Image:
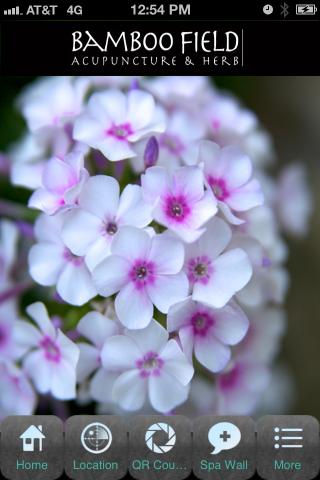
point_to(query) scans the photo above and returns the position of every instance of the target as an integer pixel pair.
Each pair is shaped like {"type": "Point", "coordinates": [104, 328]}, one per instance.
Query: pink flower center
{"type": "Point", "coordinates": [51, 350]}
{"type": "Point", "coordinates": [201, 322]}
{"type": "Point", "coordinates": [200, 269]}
{"type": "Point", "coordinates": [177, 208]}
{"type": "Point", "coordinates": [69, 257]}
{"type": "Point", "coordinates": [111, 228]}
{"type": "Point", "coordinates": [121, 132]}
{"type": "Point", "coordinates": [229, 380]}
{"type": "Point", "coordinates": [219, 188]}
{"type": "Point", "coordinates": [142, 273]}
{"type": "Point", "coordinates": [150, 364]}
{"type": "Point", "coordinates": [172, 143]}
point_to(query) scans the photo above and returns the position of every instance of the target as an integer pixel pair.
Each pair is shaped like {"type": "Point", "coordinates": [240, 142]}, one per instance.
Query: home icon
{"type": "Point", "coordinates": [32, 437]}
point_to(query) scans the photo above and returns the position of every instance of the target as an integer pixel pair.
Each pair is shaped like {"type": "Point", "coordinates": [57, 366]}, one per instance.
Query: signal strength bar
{"type": "Point", "coordinates": [12, 11]}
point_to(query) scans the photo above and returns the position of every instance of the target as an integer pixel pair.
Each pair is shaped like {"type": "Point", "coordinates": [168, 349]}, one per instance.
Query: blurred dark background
{"type": "Point", "coordinates": [289, 108]}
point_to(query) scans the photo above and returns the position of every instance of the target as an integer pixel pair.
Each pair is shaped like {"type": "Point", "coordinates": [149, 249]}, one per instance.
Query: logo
{"type": "Point", "coordinates": [96, 438]}
{"type": "Point", "coordinates": [224, 436]}
{"type": "Point", "coordinates": [164, 428]}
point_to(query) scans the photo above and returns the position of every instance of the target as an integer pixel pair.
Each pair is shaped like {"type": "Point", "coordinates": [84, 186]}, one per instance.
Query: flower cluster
{"type": "Point", "coordinates": [159, 239]}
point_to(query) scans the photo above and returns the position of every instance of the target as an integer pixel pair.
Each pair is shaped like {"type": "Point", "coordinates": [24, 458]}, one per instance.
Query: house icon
{"type": "Point", "coordinates": [31, 437]}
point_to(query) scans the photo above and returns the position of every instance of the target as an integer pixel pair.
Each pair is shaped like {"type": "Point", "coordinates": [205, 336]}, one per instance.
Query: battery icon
{"type": "Point", "coordinates": [306, 9]}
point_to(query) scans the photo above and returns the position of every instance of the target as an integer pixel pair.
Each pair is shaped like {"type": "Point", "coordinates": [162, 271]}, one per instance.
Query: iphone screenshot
{"type": "Point", "coordinates": [159, 240]}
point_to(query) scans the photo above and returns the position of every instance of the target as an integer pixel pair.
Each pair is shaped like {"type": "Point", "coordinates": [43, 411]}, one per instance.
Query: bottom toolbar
{"type": "Point", "coordinates": [164, 447]}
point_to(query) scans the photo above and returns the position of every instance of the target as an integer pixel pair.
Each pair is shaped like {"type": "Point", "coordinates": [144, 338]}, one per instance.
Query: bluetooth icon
{"type": "Point", "coordinates": [284, 9]}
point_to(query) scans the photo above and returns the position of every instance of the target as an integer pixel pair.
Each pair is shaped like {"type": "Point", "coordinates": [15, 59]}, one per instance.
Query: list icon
{"type": "Point", "coordinates": [288, 447]}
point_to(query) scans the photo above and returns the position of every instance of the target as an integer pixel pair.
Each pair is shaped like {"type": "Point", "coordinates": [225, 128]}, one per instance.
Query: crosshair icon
{"type": "Point", "coordinates": [96, 438]}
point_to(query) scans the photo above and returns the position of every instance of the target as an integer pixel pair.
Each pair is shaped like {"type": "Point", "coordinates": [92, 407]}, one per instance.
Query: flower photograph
{"type": "Point", "coordinates": [159, 245]}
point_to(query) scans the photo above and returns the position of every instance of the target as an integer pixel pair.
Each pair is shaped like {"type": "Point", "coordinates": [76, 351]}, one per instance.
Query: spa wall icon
{"type": "Point", "coordinates": [32, 439]}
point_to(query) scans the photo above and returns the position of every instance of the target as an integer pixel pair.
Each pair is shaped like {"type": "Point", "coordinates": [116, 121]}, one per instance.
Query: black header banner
{"type": "Point", "coordinates": [147, 42]}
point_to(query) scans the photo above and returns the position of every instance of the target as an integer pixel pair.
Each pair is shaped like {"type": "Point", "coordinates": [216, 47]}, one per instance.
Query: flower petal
{"type": "Point", "coordinates": [130, 390]}
{"type": "Point", "coordinates": [46, 263]}
{"type": "Point", "coordinates": [189, 182]}
{"type": "Point", "coordinates": [100, 196]}
{"type": "Point", "coordinates": [39, 314]}
{"type": "Point", "coordinates": [102, 384]}
{"type": "Point", "coordinates": [75, 284]}
{"type": "Point", "coordinates": [152, 338]}
{"type": "Point", "coordinates": [176, 363]}
{"type": "Point", "coordinates": [211, 353]}
{"type": "Point", "coordinates": [231, 325]}
{"type": "Point", "coordinates": [180, 313]}
{"type": "Point", "coordinates": [88, 361]}
{"type": "Point", "coordinates": [120, 353]}
{"type": "Point", "coordinates": [246, 197]}
{"type": "Point", "coordinates": [98, 251]}
{"type": "Point", "coordinates": [97, 328]}
{"type": "Point", "coordinates": [38, 370]}
{"type": "Point", "coordinates": [133, 307]}
{"type": "Point", "coordinates": [63, 381]}
{"type": "Point", "coordinates": [110, 275]}
{"type": "Point", "coordinates": [80, 230]}
{"type": "Point", "coordinates": [132, 208]}
{"type": "Point", "coordinates": [167, 290]}
{"type": "Point", "coordinates": [215, 239]}
{"type": "Point", "coordinates": [237, 166]}
{"type": "Point", "coordinates": [25, 336]}
{"type": "Point", "coordinates": [166, 393]}
{"type": "Point", "coordinates": [45, 200]}
{"type": "Point", "coordinates": [155, 183]}
{"type": "Point", "coordinates": [202, 211]}
{"type": "Point", "coordinates": [187, 338]}
{"type": "Point", "coordinates": [58, 175]}
{"type": "Point", "coordinates": [131, 243]}
{"type": "Point", "coordinates": [141, 108]}
{"type": "Point", "coordinates": [167, 253]}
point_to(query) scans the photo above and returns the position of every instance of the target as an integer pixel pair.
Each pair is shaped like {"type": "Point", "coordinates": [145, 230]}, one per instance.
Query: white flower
{"type": "Point", "coordinates": [293, 200]}
{"type": "Point", "coordinates": [228, 172]}
{"type": "Point", "coordinates": [145, 271]}
{"type": "Point", "coordinates": [52, 263]}
{"type": "Point", "coordinates": [52, 102]}
{"type": "Point", "coordinates": [262, 342]}
{"type": "Point", "coordinates": [216, 275]}
{"type": "Point", "coordinates": [269, 281]}
{"type": "Point", "coordinates": [17, 395]}
{"type": "Point", "coordinates": [114, 121]}
{"type": "Point", "coordinates": [179, 199]}
{"type": "Point", "coordinates": [240, 387]}
{"type": "Point", "coordinates": [152, 367]}
{"type": "Point", "coordinates": [96, 328]}
{"type": "Point", "coordinates": [90, 229]}
{"type": "Point", "coordinates": [51, 358]}
{"type": "Point", "coordinates": [209, 332]}
{"type": "Point", "coordinates": [62, 181]}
